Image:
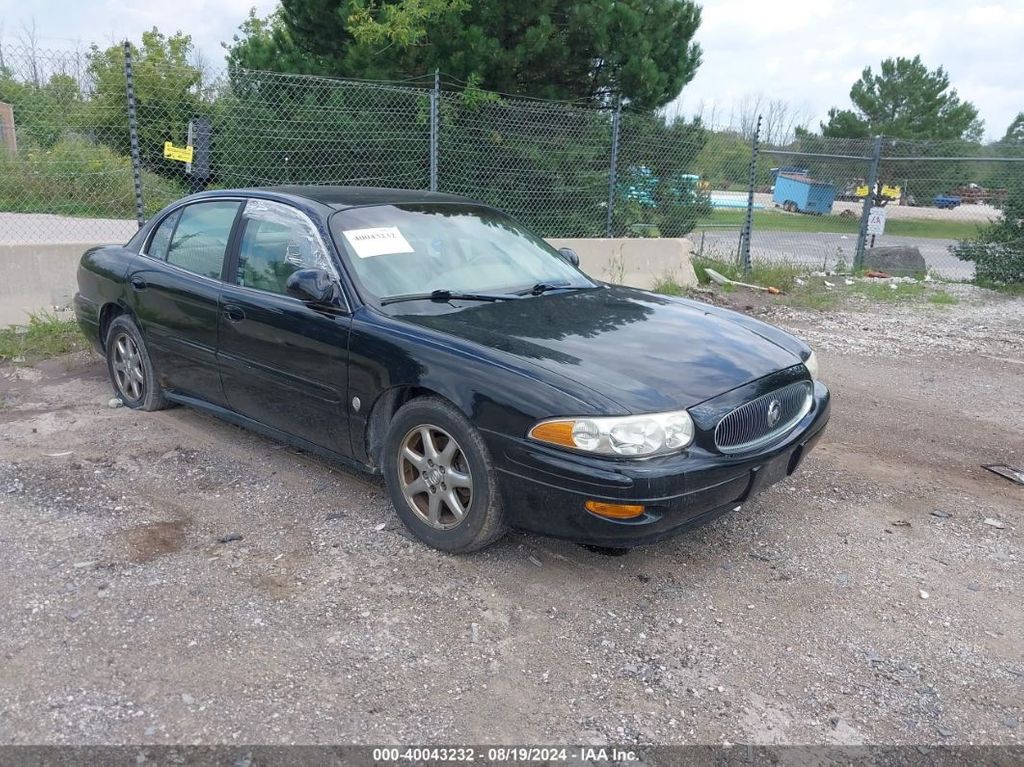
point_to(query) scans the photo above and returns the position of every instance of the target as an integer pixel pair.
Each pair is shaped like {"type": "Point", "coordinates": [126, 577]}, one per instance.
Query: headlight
{"type": "Point", "coordinates": [630, 435]}
{"type": "Point", "coordinates": [811, 363]}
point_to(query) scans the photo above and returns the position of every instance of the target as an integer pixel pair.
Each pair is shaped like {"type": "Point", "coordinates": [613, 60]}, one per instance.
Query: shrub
{"type": "Point", "coordinates": [998, 250]}
{"type": "Point", "coordinates": [995, 263]}
{"type": "Point", "coordinates": [77, 177]}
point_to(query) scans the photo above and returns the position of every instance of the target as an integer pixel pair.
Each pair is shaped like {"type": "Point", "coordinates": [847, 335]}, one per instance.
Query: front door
{"type": "Point", "coordinates": [175, 289]}
{"type": "Point", "coordinates": [283, 362]}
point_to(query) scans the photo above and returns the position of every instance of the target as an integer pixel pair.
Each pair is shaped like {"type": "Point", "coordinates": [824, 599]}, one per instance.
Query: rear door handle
{"type": "Point", "coordinates": [233, 313]}
{"type": "Point", "coordinates": [138, 283]}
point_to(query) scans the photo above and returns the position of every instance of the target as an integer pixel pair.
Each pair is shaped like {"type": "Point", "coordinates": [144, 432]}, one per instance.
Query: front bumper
{"type": "Point", "coordinates": [543, 489]}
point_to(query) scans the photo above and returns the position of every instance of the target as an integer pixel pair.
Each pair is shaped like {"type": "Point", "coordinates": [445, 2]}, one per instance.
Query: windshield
{"type": "Point", "coordinates": [401, 250]}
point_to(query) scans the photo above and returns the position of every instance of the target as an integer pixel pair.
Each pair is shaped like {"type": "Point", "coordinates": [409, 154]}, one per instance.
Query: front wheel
{"type": "Point", "coordinates": [130, 367]}
{"type": "Point", "coordinates": [441, 478]}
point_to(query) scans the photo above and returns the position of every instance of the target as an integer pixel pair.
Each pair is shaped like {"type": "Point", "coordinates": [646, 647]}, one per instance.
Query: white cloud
{"type": "Point", "coordinates": [67, 23]}
{"type": "Point", "coordinates": [811, 52]}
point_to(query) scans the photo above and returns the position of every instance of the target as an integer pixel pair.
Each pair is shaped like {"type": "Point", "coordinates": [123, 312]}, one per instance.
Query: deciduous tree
{"type": "Point", "coordinates": [167, 93]}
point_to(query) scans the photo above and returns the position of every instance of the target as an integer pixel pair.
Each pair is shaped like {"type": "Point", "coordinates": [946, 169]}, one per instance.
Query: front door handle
{"type": "Point", "coordinates": [138, 283]}
{"type": "Point", "coordinates": [233, 313]}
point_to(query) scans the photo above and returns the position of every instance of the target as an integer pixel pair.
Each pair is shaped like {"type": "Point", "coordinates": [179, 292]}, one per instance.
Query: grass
{"type": "Point", "coordinates": [668, 287]}
{"type": "Point", "coordinates": [813, 298]}
{"type": "Point", "coordinates": [777, 274]}
{"type": "Point", "coordinates": [888, 291]}
{"type": "Point", "coordinates": [45, 336]}
{"type": "Point", "coordinates": [1011, 289]}
{"type": "Point", "coordinates": [942, 298]}
{"type": "Point", "coordinates": [76, 177]}
{"type": "Point", "coordinates": [778, 221]}
{"type": "Point", "coordinates": [810, 292]}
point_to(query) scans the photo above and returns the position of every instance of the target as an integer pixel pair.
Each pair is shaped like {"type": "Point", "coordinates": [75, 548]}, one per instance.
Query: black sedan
{"type": "Point", "coordinates": [436, 341]}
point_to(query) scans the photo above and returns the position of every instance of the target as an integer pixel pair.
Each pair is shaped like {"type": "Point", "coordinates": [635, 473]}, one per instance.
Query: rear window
{"type": "Point", "coordinates": [201, 238]}
{"type": "Point", "coordinates": [161, 238]}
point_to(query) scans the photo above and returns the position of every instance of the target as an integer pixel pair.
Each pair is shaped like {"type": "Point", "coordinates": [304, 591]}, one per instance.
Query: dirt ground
{"type": "Point", "coordinates": [877, 596]}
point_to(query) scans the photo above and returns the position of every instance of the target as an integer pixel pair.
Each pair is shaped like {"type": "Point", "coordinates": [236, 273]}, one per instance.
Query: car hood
{"type": "Point", "coordinates": [644, 351]}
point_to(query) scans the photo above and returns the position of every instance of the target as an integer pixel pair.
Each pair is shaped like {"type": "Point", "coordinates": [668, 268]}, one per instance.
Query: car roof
{"type": "Point", "coordinates": [339, 197]}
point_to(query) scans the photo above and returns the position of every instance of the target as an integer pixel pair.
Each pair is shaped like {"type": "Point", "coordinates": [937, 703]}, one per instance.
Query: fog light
{"type": "Point", "coordinates": [614, 510]}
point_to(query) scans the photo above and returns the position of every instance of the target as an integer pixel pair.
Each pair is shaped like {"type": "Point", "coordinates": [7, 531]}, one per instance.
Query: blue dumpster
{"type": "Point", "coordinates": [802, 194]}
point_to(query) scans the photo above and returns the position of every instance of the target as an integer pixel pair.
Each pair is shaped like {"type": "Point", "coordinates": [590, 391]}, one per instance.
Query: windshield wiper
{"type": "Point", "coordinates": [447, 295]}
{"type": "Point", "coordinates": [545, 287]}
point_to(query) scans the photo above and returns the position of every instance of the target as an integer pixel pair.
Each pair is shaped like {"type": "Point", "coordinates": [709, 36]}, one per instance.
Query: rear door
{"type": "Point", "coordinates": [283, 362]}
{"type": "Point", "coordinates": [175, 288]}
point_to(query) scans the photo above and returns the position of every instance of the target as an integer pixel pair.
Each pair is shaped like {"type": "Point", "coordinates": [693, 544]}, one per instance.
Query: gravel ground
{"type": "Point", "coordinates": [983, 324]}
{"type": "Point", "coordinates": [867, 599]}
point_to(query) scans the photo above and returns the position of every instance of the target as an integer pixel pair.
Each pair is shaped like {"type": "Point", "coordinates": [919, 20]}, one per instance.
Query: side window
{"type": "Point", "coordinates": [201, 238]}
{"type": "Point", "coordinates": [161, 238]}
{"type": "Point", "coordinates": [278, 240]}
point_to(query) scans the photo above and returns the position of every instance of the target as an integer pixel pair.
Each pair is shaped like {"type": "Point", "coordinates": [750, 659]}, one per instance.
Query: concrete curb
{"type": "Point", "coordinates": [41, 276]}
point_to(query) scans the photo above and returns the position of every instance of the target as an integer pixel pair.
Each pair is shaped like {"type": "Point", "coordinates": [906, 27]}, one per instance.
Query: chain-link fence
{"type": "Point", "coordinates": [70, 170]}
{"type": "Point", "coordinates": [63, 176]}
{"type": "Point", "coordinates": [847, 196]}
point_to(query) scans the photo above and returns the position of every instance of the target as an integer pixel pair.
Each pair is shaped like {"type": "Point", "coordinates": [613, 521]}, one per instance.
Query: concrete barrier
{"type": "Point", "coordinates": [637, 262]}
{"type": "Point", "coordinates": [39, 276]}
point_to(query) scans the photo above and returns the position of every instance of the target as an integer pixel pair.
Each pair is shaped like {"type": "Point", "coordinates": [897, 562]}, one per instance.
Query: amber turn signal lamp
{"type": "Point", "coordinates": [555, 432]}
{"type": "Point", "coordinates": [614, 510]}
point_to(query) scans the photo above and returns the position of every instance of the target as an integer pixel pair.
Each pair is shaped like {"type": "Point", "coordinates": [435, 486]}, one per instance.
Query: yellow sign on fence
{"type": "Point", "coordinates": [179, 153]}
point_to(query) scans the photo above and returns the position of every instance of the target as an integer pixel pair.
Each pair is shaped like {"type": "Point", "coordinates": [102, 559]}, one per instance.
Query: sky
{"type": "Point", "coordinates": [805, 52]}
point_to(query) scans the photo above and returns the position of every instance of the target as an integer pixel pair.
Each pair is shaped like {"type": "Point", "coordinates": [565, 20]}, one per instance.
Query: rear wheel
{"type": "Point", "coordinates": [441, 478]}
{"type": "Point", "coordinates": [130, 368]}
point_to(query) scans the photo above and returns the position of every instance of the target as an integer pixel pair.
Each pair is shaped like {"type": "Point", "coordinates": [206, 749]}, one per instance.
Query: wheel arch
{"type": "Point", "coordinates": [383, 410]}
{"type": "Point", "coordinates": [107, 314]}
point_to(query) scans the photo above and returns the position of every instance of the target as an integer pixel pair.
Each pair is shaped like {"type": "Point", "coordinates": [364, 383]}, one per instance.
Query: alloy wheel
{"type": "Point", "coordinates": [434, 476]}
{"type": "Point", "coordinates": [127, 366]}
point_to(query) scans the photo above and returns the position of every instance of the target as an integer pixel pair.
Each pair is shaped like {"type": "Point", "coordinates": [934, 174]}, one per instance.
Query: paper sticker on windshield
{"type": "Point", "coordinates": [378, 241]}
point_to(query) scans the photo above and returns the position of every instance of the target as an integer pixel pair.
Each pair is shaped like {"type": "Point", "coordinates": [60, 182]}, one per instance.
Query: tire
{"type": "Point", "coordinates": [130, 368]}
{"type": "Point", "coordinates": [420, 480]}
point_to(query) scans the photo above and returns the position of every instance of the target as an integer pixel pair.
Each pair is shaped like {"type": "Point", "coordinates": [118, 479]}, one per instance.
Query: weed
{"type": "Point", "coordinates": [668, 286]}
{"type": "Point", "coordinates": [776, 274]}
{"type": "Point", "coordinates": [1011, 289]}
{"type": "Point", "coordinates": [888, 291]}
{"type": "Point", "coordinates": [942, 298]}
{"type": "Point", "coordinates": [45, 336]}
{"type": "Point", "coordinates": [819, 300]}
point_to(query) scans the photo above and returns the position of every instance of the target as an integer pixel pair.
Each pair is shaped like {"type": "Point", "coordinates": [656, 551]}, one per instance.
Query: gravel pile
{"type": "Point", "coordinates": [982, 322]}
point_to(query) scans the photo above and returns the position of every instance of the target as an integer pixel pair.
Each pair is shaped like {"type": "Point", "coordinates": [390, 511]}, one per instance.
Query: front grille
{"type": "Point", "coordinates": [764, 419]}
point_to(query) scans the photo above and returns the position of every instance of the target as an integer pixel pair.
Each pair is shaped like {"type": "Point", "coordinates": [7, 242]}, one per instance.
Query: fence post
{"type": "Point", "coordinates": [613, 170]}
{"type": "Point", "coordinates": [435, 104]}
{"type": "Point", "coordinates": [133, 134]}
{"type": "Point", "coordinates": [748, 222]}
{"type": "Point", "coordinates": [869, 201]}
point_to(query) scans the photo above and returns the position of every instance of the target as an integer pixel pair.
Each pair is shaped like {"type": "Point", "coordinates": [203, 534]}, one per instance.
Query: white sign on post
{"type": "Point", "coordinates": [876, 221]}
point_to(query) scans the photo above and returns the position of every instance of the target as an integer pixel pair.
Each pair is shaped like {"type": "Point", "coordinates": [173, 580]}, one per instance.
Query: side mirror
{"type": "Point", "coordinates": [569, 255]}
{"type": "Point", "coordinates": [313, 285]}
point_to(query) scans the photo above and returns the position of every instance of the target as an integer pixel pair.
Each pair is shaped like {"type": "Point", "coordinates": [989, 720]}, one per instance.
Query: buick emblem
{"type": "Point", "coordinates": [774, 412]}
